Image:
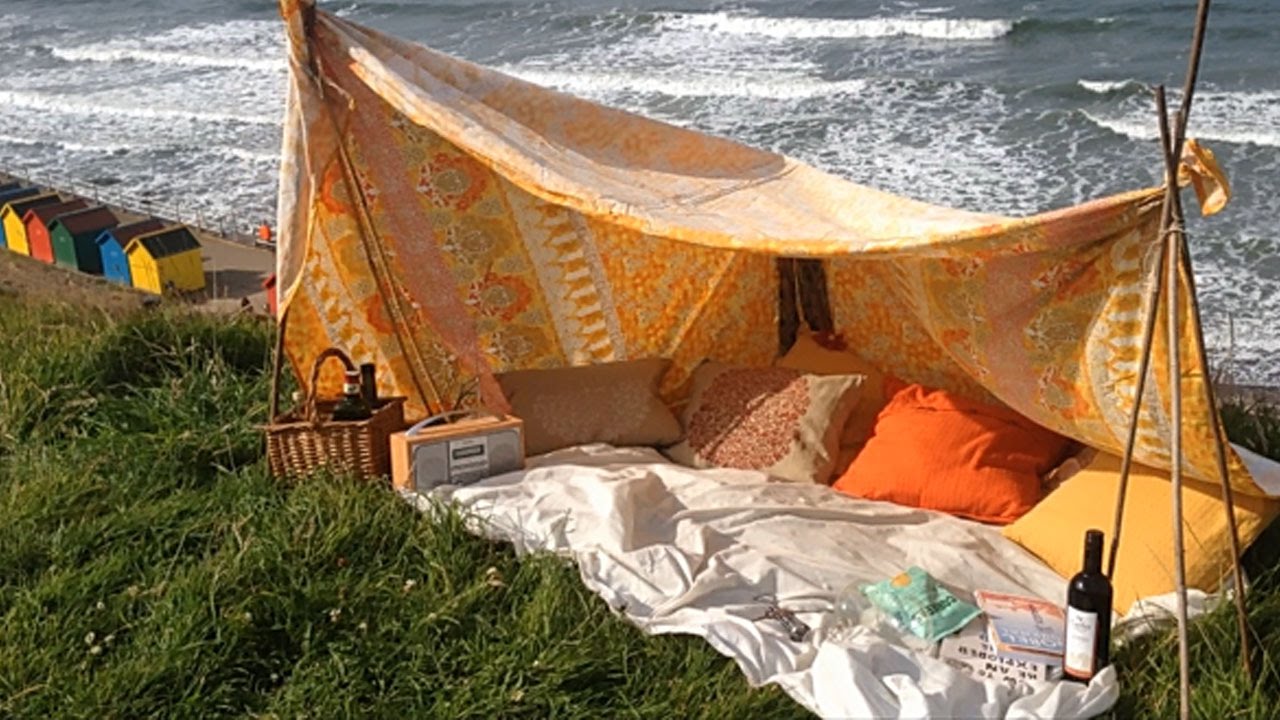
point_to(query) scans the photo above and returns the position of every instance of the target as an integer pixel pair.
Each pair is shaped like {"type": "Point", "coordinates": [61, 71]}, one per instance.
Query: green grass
{"type": "Point", "coordinates": [149, 567]}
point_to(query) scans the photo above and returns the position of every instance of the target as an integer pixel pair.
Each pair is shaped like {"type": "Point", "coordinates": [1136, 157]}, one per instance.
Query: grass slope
{"type": "Point", "coordinates": [149, 567]}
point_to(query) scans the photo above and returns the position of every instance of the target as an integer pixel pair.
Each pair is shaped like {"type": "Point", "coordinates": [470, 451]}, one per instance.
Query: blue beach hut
{"type": "Point", "coordinates": [111, 244]}
{"type": "Point", "coordinates": [10, 192]}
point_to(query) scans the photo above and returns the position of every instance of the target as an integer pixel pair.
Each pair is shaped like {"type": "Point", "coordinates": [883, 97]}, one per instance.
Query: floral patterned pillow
{"type": "Point", "coordinates": [776, 420]}
{"type": "Point", "coordinates": [615, 403]}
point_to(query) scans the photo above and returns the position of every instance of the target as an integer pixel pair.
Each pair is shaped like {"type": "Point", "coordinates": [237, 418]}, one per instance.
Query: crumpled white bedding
{"type": "Point", "coordinates": [677, 550]}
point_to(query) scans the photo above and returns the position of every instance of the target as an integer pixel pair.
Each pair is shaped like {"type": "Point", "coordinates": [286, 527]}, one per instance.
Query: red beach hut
{"type": "Point", "coordinates": [37, 221]}
{"type": "Point", "coordinates": [270, 286]}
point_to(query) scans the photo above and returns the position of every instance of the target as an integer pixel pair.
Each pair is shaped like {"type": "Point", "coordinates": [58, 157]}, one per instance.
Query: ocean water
{"type": "Point", "coordinates": [987, 105]}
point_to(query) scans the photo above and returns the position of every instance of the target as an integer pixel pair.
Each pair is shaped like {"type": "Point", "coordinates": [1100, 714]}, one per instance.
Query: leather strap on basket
{"type": "Point", "coordinates": [312, 413]}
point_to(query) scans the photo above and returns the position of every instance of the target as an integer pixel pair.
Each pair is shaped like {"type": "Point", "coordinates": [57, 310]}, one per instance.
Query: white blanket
{"type": "Point", "coordinates": [685, 551]}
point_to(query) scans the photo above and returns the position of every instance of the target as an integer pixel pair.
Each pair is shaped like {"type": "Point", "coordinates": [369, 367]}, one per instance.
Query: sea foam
{"type": "Point", "coordinates": [794, 28]}
{"type": "Point", "coordinates": [1232, 117]}
{"type": "Point", "coordinates": [766, 87]}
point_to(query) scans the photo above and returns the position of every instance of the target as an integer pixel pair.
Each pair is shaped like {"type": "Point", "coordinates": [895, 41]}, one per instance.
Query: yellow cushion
{"type": "Point", "coordinates": [1054, 529]}
{"type": "Point", "coordinates": [808, 355]}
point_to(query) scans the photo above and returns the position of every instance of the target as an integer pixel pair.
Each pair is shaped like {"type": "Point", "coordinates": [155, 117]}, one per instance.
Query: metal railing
{"type": "Point", "coordinates": [230, 228]}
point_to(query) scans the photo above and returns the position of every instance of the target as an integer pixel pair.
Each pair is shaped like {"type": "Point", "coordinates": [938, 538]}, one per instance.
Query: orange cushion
{"type": "Point", "coordinates": [935, 450]}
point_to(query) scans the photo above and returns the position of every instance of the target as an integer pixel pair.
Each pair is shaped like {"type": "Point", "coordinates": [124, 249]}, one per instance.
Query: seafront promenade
{"type": "Point", "coordinates": [234, 265]}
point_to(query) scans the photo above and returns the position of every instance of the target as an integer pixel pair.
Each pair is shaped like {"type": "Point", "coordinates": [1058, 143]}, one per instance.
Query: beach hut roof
{"type": "Point", "coordinates": [20, 207]}
{"type": "Point", "coordinates": [45, 213]}
{"type": "Point", "coordinates": [88, 220]}
{"type": "Point", "coordinates": [164, 243]}
{"type": "Point", "coordinates": [124, 233]}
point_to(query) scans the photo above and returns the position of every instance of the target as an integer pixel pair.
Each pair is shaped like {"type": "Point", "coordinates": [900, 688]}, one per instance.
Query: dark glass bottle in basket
{"type": "Point", "coordinates": [369, 384]}
{"type": "Point", "coordinates": [353, 405]}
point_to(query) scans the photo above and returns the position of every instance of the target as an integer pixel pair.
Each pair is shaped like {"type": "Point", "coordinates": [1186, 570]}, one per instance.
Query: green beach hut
{"type": "Point", "coordinates": [72, 238]}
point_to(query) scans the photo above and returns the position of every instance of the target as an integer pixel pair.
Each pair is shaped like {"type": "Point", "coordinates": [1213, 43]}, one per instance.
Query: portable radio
{"type": "Point", "coordinates": [472, 447]}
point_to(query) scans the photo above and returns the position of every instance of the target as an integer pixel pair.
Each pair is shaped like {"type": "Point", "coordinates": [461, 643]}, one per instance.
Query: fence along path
{"type": "Point", "coordinates": [238, 229]}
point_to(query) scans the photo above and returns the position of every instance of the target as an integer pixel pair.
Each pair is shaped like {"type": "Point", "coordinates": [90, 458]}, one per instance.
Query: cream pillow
{"type": "Point", "coordinates": [780, 421]}
{"type": "Point", "coordinates": [615, 403]}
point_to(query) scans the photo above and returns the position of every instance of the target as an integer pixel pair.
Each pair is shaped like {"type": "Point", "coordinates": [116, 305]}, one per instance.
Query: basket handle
{"type": "Point", "coordinates": [313, 415]}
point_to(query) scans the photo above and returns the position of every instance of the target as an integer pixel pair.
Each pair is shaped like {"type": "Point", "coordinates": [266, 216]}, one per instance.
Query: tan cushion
{"type": "Point", "coordinates": [780, 421]}
{"type": "Point", "coordinates": [808, 355]}
{"type": "Point", "coordinates": [615, 403]}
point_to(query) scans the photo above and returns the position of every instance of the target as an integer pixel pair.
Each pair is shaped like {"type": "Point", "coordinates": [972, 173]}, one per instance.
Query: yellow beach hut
{"type": "Point", "coordinates": [15, 231]}
{"type": "Point", "coordinates": [166, 259]}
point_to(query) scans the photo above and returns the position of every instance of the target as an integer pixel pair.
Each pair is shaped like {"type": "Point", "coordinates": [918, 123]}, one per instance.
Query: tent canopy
{"type": "Point", "coordinates": [448, 222]}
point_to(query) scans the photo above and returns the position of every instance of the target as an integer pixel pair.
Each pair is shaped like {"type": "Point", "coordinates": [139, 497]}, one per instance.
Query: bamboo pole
{"type": "Point", "coordinates": [277, 366]}
{"type": "Point", "coordinates": [1228, 498]}
{"type": "Point", "coordinates": [1171, 237]}
{"type": "Point", "coordinates": [1166, 219]}
{"type": "Point", "coordinates": [1175, 252]}
{"type": "Point", "coordinates": [1224, 475]}
{"type": "Point", "coordinates": [1144, 364]}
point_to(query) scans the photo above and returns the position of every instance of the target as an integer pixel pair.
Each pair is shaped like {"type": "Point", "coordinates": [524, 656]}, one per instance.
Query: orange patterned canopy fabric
{"type": "Point", "coordinates": [448, 222]}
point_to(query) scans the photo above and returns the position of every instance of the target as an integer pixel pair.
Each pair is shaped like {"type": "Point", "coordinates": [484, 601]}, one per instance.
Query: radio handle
{"type": "Point", "coordinates": [444, 417]}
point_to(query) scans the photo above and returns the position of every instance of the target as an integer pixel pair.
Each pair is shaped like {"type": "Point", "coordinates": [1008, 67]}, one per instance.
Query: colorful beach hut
{"type": "Point", "coordinates": [17, 192]}
{"type": "Point", "coordinates": [37, 222]}
{"type": "Point", "coordinates": [72, 237]}
{"type": "Point", "coordinates": [166, 259]}
{"type": "Point", "coordinates": [273, 304]}
{"type": "Point", "coordinates": [111, 244]}
{"type": "Point", "coordinates": [15, 232]}
{"type": "Point", "coordinates": [7, 196]}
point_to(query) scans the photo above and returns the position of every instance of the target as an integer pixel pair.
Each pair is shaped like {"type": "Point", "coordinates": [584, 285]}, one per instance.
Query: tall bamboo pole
{"type": "Point", "coordinates": [1171, 237]}
{"type": "Point", "coordinates": [1228, 499]}
{"type": "Point", "coordinates": [1174, 250]}
{"type": "Point", "coordinates": [1224, 476]}
{"type": "Point", "coordinates": [1144, 364]}
{"type": "Point", "coordinates": [1166, 218]}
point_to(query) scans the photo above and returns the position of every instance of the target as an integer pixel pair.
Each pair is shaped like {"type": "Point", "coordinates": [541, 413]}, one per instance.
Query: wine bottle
{"type": "Point", "coordinates": [352, 405]}
{"type": "Point", "coordinates": [1088, 641]}
{"type": "Point", "coordinates": [369, 384]}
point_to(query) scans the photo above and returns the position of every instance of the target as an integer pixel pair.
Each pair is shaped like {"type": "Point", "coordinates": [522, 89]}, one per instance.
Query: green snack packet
{"type": "Point", "coordinates": [916, 602]}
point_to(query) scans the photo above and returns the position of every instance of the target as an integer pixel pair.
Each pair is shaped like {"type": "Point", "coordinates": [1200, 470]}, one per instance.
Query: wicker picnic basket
{"type": "Point", "coordinates": [305, 439]}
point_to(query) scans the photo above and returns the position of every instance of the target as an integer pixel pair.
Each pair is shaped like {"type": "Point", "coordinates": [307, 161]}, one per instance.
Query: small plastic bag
{"type": "Point", "coordinates": [915, 602]}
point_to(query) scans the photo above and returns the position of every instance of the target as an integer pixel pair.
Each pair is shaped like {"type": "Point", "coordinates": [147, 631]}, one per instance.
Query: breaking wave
{"type": "Point", "coordinates": [85, 106]}
{"type": "Point", "coordinates": [65, 145]}
{"type": "Point", "coordinates": [1144, 129]}
{"type": "Point", "coordinates": [120, 149]}
{"type": "Point", "coordinates": [163, 57]}
{"type": "Point", "coordinates": [597, 84]}
{"type": "Point", "coordinates": [1106, 87]}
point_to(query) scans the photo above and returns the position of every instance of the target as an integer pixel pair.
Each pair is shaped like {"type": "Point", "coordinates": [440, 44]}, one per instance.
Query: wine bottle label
{"type": "Point", "coordinates": [349, 389]}
{"type": "Point", "coordinates": [1082, 635]}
